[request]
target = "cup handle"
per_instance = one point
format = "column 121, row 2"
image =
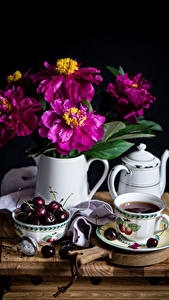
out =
column 166, row 217
column 103, row 177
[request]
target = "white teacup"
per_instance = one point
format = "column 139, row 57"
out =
column 139, row 227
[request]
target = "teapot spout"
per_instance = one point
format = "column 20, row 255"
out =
column 163, row 170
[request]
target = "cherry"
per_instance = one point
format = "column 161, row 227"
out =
column 37, row 222
column 64, row 250
column 151, row 243
column 30, row 217
column 54, row 206
column 21, row 217
column 122, row 228
column 62, row 216
column 128, row 231
column 26, row 207
column 40, row 211
column 50, row 218
column 66, row 240
column 38, row 201
column 48, row 251
column 110, row 234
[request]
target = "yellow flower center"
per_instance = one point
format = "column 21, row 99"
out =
column 14, row 77
column 7, row 105
column 135, row 85
column 74, row 117
column 66, row 66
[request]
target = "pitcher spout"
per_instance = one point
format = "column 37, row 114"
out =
column 163, row 170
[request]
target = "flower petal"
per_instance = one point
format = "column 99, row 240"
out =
column 48, row 118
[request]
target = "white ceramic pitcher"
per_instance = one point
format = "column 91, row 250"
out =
column 67, row 177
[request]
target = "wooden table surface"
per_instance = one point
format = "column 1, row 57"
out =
column 54, row 269
column 13, row 263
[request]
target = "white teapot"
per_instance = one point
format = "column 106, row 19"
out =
column 141, row 172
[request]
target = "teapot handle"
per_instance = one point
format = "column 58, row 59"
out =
column 111, row 179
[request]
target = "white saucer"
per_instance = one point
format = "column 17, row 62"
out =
column 122, row 243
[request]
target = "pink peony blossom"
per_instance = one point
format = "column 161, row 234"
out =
column 131, row 96
column 71, row 127
column 66, row 79
column 17, row 114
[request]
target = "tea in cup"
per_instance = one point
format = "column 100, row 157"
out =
column 139, row 216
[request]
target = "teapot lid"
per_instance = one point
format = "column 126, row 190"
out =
column 141, row 158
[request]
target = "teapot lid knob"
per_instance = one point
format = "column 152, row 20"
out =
column 141, row 147
column 141, row 158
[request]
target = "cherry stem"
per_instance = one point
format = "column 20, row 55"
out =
column 67, row 199
column 51, row 190
column 19, row 199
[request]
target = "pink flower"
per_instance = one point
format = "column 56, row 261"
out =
column 17, row 114
column 22, row 80
column 131, row 96
column 71, row 127
column 66, row 79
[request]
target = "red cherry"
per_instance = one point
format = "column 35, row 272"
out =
column 21, row 217
column 40, row 211
column 48, row 251
column 54, row 206
column 37, row 222
column 26, row 206
column 29, row 217
column 128, row 231
column 62, row 216
column 38, row 201
column 49, row 219
column 122, row 228
column 110, row 234
column 151, row 243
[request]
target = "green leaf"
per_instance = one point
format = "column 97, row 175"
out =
column 47, row 237
column 132, row 136
column 112, row 128
column 121, row 71
column 137, row 128
column 134, row 227
column 119, row 221
column 85, row 102
column 113, row 70
column 152, row 124
column 109, row 150
column 43, row 101
column 72, row 153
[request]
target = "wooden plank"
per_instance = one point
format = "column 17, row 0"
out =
column 109, row 288
column 97, row 294
column 24, row 283
column 94, row 269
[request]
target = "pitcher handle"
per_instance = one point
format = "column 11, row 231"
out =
column 103, row 177
column 111, row 179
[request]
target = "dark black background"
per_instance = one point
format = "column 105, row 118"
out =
column 134, row 37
